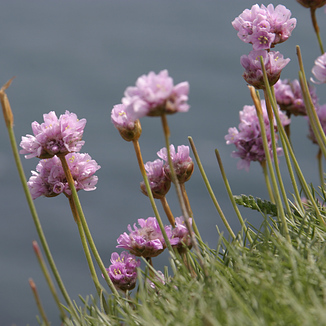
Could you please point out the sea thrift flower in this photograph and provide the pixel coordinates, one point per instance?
(158, 181)
(321, 113)
(123, 270)
(155, 95)
(49, 180)
(248, 139)
(312, 3)
(146, 241)
(289, 96)
(319, 70)
(273, 62)
(182, 162)
(264, 27)
(158, 278)
(181, 233)
(54, 136)
(128, 127)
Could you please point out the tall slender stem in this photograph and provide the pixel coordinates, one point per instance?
(85, 226)
(320, 169)
(85, 245)
(150, 195)
(167, 211)
(267, 181)
(175, 181)
(316, 28)
(210, 190)
(8, 116)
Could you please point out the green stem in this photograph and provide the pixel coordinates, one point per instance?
(37, 222)
(229, 191)
(276, 162)
(38, 303)
(85, 246)
(175, 181)
(316, 28)
(85, 226)
(267, 181)
(189, 210)
(48, 279)
(280, 210)
(150, 195)
(210, 190)
(320, 169)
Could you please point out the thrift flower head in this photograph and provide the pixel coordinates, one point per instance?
(122, 119)
(247, 138)
(49, 180)
(54, 136)
(289, 96)
(146, 241)
(181, 233)
(158, 181)
(273, 62)
(319, 69)
(321, 113)
(182, 162)
(264, 27)
(155, 94)
(312, 3)
(123, 270)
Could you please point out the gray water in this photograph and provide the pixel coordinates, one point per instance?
(80, 56)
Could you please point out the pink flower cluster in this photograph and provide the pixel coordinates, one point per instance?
(123, 270)
(319, 69)
(49, 179)
(289, 97)
(264, 27)
(54, 136)
(247, 138)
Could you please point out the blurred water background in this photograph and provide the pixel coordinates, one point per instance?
(80, 56)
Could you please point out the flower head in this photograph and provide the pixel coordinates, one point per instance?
(129, 128)
(264, 27)
(312, 3)
(158, 181)
(273, 62)
(321, 113)
(146, 241)
(248, 139)
(155, 94)
(182, 162)
(49, 180)
(123, 270)
(181, 233)
(319, 69)
(289, 96)
(54, 136)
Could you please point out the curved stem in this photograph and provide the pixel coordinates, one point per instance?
(167, 211)
(85, 226)
(85, 245)
(316, 28)
(320, 169)
(150, 195)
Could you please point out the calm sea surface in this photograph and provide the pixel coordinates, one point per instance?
(80, 56)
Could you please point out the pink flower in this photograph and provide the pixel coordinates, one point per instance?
(181, 233)
(155, 95)
(264, 27)
(273, 62)
(122, 119)
(54, 136)
(123, 270)
(289, 96)
(319, 69)
(146, 241)
(182, 162)
(247, 138)
(50, 179)
(158, 181)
